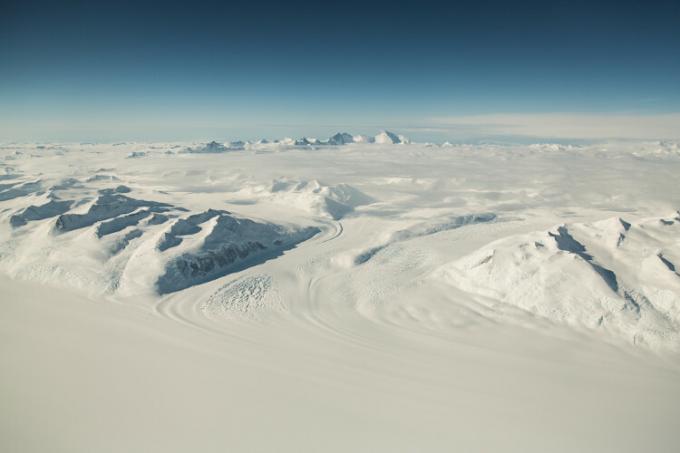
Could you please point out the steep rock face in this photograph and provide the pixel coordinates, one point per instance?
(123, 226)
(184, 227)
(341, 138)
(119, 223)
(234, 243)
(52, 208)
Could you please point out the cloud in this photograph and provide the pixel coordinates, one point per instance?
(566, 125)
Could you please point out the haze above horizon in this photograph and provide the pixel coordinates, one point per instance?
(170, 71)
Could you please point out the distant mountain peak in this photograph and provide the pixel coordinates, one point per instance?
(341, 138)
(387, 137)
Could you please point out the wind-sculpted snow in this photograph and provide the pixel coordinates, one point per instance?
(123, 242)
(313, 196)
(65, 184)
(425, 229)
(585, 276)
(107, 206)
(567, 243)
(233, 243)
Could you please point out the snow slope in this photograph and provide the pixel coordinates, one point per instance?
(355, 296)
(611, 275)
(232, 242)
(312, 196)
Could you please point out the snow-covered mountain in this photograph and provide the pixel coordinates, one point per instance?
(341, 138)
(386, 137)
(121, 241)
(313, 196)
(92, 219)
(231, 244)
(215, 147)
(612, 275)
(384, 285)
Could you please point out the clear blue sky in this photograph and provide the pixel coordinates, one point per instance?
(188, 70)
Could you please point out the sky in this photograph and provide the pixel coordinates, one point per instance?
(108, 71)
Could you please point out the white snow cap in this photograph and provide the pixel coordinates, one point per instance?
(362, 139)
(340, 138)
(387, 137)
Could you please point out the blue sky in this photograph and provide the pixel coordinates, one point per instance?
(193, 70)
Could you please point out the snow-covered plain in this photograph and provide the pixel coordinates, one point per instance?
(357, 294)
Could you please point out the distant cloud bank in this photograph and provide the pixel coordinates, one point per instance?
(567, 125)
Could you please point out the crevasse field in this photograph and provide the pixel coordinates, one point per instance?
(354, 295)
